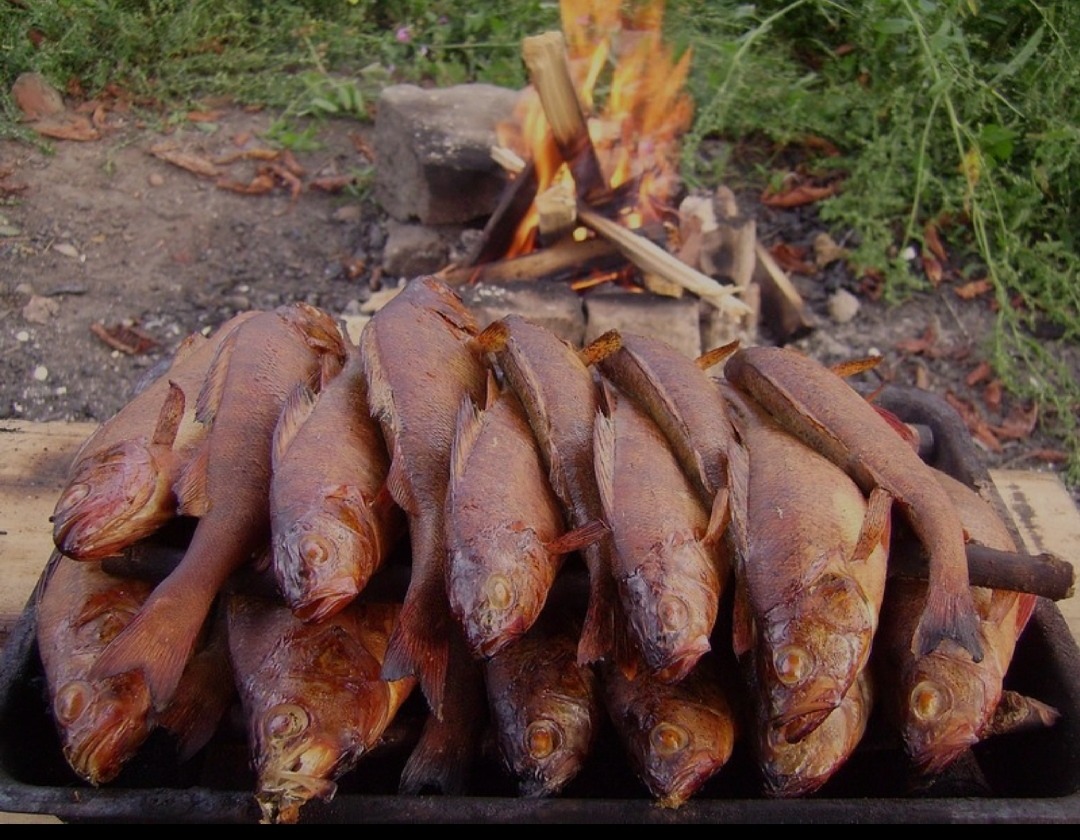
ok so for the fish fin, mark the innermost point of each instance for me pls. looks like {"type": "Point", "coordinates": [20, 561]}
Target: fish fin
{"type": "Point", "coordinates": [203, 696]}
{"type": "Point", "coordinates": [579, 537]}
{"type": "Point", "coordinates": [875, 530]}
{"type": "Point", "coordinates": [466, 431]}
{"type": "Point", "coordinates": [719, 518]}
{"type": "Point", "coordinates": [1016, 712]}
{"type": "Point", "coordinates": [1027, 609]}
{"type": "Point", "coordinates": [742, 621]}
{"type": "Point", "coordinates": [948, 615]}
{"type": "Point", "coordinates": [492, 391]}
{"type": "Point", "coordinates": [397, 481]}
{"type": "Point", "coordinates": [596, 641]}
{"type": "Point", "coordinates": [600, 348]}
{"type": "Point", "coordinates": [493, 337]}
{"type": "Point", "coordinates": [738, 486]}
{"type": "Point", "coordinates": [905, 430]}
{"type": "Point", "coordinates": [209, 398]}
{"type": "Point", "coordinates": [298, 407]}
{"type": "Point", "coordinates": [192, 498]}
{"type": "Point", "coordinates": [155, 642]}
{"type": "Point", "coordinates": [330, 365]}
{"type": "Point", "coordinates": [711, 358]}
{"type": "Point", "coordinates": [55, 559]}
{"type": "Point", "coordinates": [172, 413]}
{"type": "Point", "coordinates": [853, 367]}
{"type": "Point", "coordinates": [604, 457]}
{"type": "Point", "coordinates": [186, 347]}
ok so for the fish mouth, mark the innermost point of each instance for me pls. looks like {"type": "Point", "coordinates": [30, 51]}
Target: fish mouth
{"type": "Point", "coordinates": [322, 605]}
{"type": "Point", "coordinates": [676, 669]}
{"type": "Point", "coordinates": [687, 781]}
{"type": "Point", "coordinates": [107, 735]}
{"type": "Point", "coordinates": [280, 802]}
{"type": "Point", "coordinates": [802, 720]}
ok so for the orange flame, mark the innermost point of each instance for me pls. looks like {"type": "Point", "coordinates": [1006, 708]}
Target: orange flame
{"type": "Point", "coordinates": [619, 51]}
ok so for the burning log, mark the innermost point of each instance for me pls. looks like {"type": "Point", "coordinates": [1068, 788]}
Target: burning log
{"type": "Point", "coordinates": [549, 70]}
{"type": "Point", "coordinates": [652, 258]}
{"type": "Point", "coordinates": [567, 259]}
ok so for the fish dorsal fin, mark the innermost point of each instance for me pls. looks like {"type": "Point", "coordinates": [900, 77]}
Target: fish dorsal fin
{"type": "Point", "coordinates": [876, 525]}
{"type": "Point", "coordinates": [604, 452]}
{"type": "Point", "coordinates": [719, 517]}
{"type": "Point", "coordinates": [170, 417]}
{"type": "Point", "coordinates": [493, 337]}
{"type": "Point", "coordinates": [206, 404]}
{"type": "Point", "coordinates": [190, 489]}
{"type": "Point", "coordinates": [711, 358]}
{"type": "Point", "coordinates": [298, 408]}
{"type": "Point", "coordinates": [186, 347]}
{"type": "Point", "coordinates": [600, 348]}
{"type": "Point", "coordinates": [853, 367]}
{"type": "Point", "coordinates": [579, 537]}
{"type": "Point", "coordinates": [466, 430]}
{"type": "Point", "coordinates": [492, 391]}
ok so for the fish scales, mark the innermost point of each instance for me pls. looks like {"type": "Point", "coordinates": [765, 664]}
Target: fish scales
{"type": "Point", "coordinates": [502, 521]}
{"type": "Point", "coordinates": [257, 367]}
{"type": "Point", "coordinates": [811, 584]}
{"type": "Point", "coordinates": [559, 394]}
{"type": "Point", "coordinates": [668, 578]}
{"type": "Point", "coordinates": [420, 365]}
{"type": "Point", "coordinates": [817, 405]}
{"type": "Point", "coordinates": [333, 521]}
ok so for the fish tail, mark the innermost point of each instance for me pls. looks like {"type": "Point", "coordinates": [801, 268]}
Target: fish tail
{"type": "Point", "coordinates": [159, 642]}
{"type": "Point", "coordinates": [948, 615]}
{"type": "Point", "coordinates": [418, 647]}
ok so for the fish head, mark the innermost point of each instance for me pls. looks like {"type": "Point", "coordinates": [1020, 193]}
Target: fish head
{"type": "Point", "coordinates": [949, 701]}
{"type": "Point", "coordinates": [113, 498]}
{"type": "Point", "coordinates": [813, 646]}
{"type": "Point", "coordinates": [672, 600]}
{"type": "Point", "coordinates": [497, 586]}
{"type": "Point", "coordinates": [680, 747]}
{"type": "Point", "coordinates": [326, 556]}
{"type": "Point", "coordinates": [103, 723]}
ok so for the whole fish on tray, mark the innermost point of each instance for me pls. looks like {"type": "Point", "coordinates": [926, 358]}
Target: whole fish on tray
{"type": "Point", "coordinates": [121, 485]}
{"type": "Point", "coordinates": [103, 723]}
{"type": "Point", "coordinates": [312, 695]}
{"type": "Point", "coordinates": [227, 486]}
{"type": "Point", "coordinates": [668, 567]}
{"type": "Point", "coordinates": [559, 393]}
{"type": "Point", "coordinates": [332, 518]}
{"type": "Point", "coordinates": [809, 590]}
{"type": "Point", "coordinates": [506, 529]}
{"type": "Point", "coordinates": [942, 703]}
{"type": "Point", "coordinates": [420, 365]}
{"type": "Point", "coordinates": [815, 404]}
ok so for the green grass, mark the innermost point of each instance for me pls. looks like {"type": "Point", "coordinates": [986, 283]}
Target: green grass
{"type": "Point", "coordinates": [961, 113]}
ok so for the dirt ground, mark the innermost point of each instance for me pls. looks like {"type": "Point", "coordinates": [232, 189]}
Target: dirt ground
{"type": "Point", "coordinates": [101, 235]}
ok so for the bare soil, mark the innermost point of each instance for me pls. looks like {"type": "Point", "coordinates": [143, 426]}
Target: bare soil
{"type": "Point", "coordinates": [110, 255]}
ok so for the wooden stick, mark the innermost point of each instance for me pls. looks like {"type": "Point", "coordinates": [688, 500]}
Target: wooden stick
{"type": "Point", "coordinates": [549, 70]}
{"type": "Point", "coordinates": [564, 260]}
{"type": "Point", "coordinates": [652, 258]}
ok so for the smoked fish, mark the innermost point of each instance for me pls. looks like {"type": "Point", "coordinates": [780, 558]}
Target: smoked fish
{"type": "Point", "coordinates": [558, 390]}
{"type": "Point", "coordinates": [227, 486]}
{"type": "Point", "coordinates": [667, 566]}
{"type": "Point", "coordinates": [312, 696]}
{"type": "Point", "coordinates": [506, 529]}
{"type": "Point", "coordinates": [817, 405]}
{"type": "Point", "coordinates": [420, 365]}
{"type": "Point", "coordinates": [121, 485]}
{"type": "Point", "coordinates": [332, 519]}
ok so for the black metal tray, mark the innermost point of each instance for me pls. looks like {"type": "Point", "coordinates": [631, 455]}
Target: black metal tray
{"type": "Point", "coordinates": [1030, 777]}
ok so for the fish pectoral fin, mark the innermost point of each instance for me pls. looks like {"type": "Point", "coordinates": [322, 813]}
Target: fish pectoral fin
{"type": "Point", "coordinates": [711, 358]}
{"type": "Point", "coordinates": [719, 518]}
{"type": "Point", "coordinates": [298, 407]}
{"type": "Point", "coordinates": [172, 413]}
{"type": "Point", "coordinates": [876, 525]}
{"type": "Point", "coordinates": [578, 538]}
{"type": "Point", "coordinates": [600, 348]}
{"type": "Point", "coordinates": [192, 498]}
{"type": "Point", "coordinates": [209, 398]}
{"type": "Point", "coordinates": [1016, 712]}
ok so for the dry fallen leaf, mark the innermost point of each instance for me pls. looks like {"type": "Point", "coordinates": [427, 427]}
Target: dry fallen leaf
{"type": "Point", "coordinates": [39, 310]}
{"type": "Point", "coordinates": [127, 339]}
{"type": "Point", "coordinates": [992, 395]}
{"type": "Point", "coordinates": [924, 344]}
{"type": "Point", "coordinates": [798, 196]}
{"type": "Point", "coordinates": [185, 160]}
{"type": "Point", "coordinates": [933, 270]}
{"type": "Point", "coordinates": [67, 127]}
{"type": "Point", "coordinates": [331, 183]}
{"type": "Point", "coordinates": [980, 373]}
{"type": "Point", "coordinates": [792, 259]}
{"type": "Point", "coordinates": [933, 241]}
{"type": "Point", "coordinates": [973, 289]}
{"type": "Point", "coordinates": [979, 428]}
{"type": "Point", "coordinates": [1020, 422]}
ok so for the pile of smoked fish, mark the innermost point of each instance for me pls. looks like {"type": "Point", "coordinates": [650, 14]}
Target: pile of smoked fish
{"type": "Point", "coordinates": [532, 540]}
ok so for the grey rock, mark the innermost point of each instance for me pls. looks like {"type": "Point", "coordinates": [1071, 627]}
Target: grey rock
{"type": "Point", "coordinates": [675, 320]}
{"type": "Point", "coordinates": [553, 305]}
{"type": "Point", "coordinates": [412, 250]}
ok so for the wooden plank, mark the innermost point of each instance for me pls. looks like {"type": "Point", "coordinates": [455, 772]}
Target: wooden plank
{"type": "Point", "coordinates": [34, 462]}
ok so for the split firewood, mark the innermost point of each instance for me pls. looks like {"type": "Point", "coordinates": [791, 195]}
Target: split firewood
{"type": "Point", "coordinates": [783, 307]}
{"type": "Point", "coordinates": [556, 212]}
{"type": "Point", "coordinates": [549, 70]}
{"type": "Point", "coordinates": [566, 259]}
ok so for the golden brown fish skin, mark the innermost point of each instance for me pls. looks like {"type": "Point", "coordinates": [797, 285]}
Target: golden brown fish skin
{"type": "Point", "coordinates": [798, 769]}
{"type": "Point", "coordinates": [80, 609]}
{"type": "Point", "coordinates": [812, 589]}
{"type": "Point", "coordinates": [668, 577]}
{"type": "Point", "coordinates": [312, 695]}
{"type": "Point", "coordinates": [256, 369]}
{"type": "Point", "coordinates": [818, 406]}
{"type": "Point", "coordinates": [546, 707]}
{"type": "Point", "coordinates": [502, 519]}
{"type": "Point", "coordinates": [943, 703]}
{"type": "Point", "coordinates": [676, 736]}
{"type": "Point", "coordinates": [420, 365]}
{"type": "Point", "coordinates": [120, 487]}
{"type": "Point", "coordinates": [559, 394]}
{"type": "Point", "coordinates": [333, 522]}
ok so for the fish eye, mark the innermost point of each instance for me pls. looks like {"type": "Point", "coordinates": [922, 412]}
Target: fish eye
{"type": "Point", "coordinates": [314, 550]}
{"type": "Point", "coordinates": [286, 720]}
{"type": "Point", "coordinates": [75, 494]}
{"type": "Point", "coordinates": [499, 592]}
{"type": "Point", "coordinates": [673, 613]}
{"type": "Point", "coordinates": [668, 738]}
{"type": "Point", "coordinates": [930, 700]}
{"type": "Point", "coordinates": [543, 738]}
{"type": "Point", "coordinates": [792, 664]}
{"type": "Point", "coordinates": [72, 700]}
